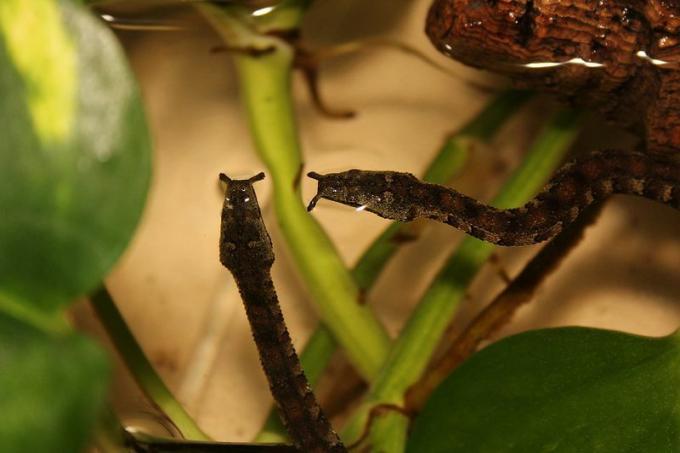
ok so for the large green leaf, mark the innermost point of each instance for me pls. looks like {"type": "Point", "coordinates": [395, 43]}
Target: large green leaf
{"type": "Point", "coordinates": [52, 389]}
{"type": "Point", "coordinates": [559, 390]}
{"type": "Point", "coordinates": [74, 153]}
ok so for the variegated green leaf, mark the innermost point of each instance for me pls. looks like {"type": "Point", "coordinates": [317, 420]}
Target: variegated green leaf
{"type": "Point", "coordinates": [74, 154]}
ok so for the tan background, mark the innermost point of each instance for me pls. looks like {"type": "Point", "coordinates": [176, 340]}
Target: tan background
{"type": "Point", "coordinates": [182, 305]}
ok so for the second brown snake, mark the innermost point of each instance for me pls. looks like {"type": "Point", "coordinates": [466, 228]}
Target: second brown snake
{"type": "Point", "coordinates": [578, 184]}
{"type": "Point", "coordinates": [246, 250]}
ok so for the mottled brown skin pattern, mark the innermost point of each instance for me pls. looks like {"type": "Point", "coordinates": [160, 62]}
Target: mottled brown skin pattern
{"type": "Point", "coordinates": [246, 250]}
{"type": "Point", "coordinates": [401, 196]}
{"type": "Point", "coordinates": [505, 35]}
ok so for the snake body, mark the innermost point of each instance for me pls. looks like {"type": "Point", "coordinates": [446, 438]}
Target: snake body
{"type": "Point", "coordinates": [578, 184]}
{"type": "Point", "coordinates": [246, 250]}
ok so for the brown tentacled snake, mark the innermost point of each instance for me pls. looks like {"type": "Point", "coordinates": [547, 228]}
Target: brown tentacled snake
{"type": "Point", "coordinates": [621, 57]}
{"type": "Point", "coordinates": [246, 250]}
{"type": "Point", "coordinates": [401, 196]}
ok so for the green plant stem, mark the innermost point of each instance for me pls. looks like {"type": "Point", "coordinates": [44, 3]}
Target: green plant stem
{"type": "Point", "coordinates": [448, 162]}
{"type": "Point", "coordinates": [265, 89]}
{"type": "Point", "coordinates": [53, 322]}
{"type": "Point", "coordinates": [148, 380]}
{"type": "Point", "coordinates": [265, 81]}
{"type": "Point", "coordinates": [414, 347]}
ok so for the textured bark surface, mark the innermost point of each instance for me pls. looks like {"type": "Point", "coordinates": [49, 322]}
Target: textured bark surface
{"type": "Point", "coordinates": [620, 57]}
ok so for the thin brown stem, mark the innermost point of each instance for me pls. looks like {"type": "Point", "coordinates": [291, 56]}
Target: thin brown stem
{"type": "Point", "coordinates": [372, 416]}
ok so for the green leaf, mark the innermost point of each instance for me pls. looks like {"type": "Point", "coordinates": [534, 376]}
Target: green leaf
{"type": "Point", "coordinates": [559, 390]}
{"type": "Point", "coordinates": [74, 154]}
{"type": "Point", "coordinates": [52, 389]}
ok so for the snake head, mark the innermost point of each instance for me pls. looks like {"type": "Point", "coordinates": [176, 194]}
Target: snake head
{"type": "Point", "coordinates": [244, 241]}
{"type": "Point", "coordinates": [355, 188]}
{"type": "Point", "coordinates": [385, 193]}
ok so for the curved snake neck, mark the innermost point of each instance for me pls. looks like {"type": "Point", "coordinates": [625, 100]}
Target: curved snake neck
{"type": "Point", "coordinates": [578, 184]}
{"type": "Point", "coordinates": [246, 250]}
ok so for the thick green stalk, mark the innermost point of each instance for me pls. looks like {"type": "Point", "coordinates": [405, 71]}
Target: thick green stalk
{"type": "Point", "coordinates": [143, 372]}
{"type": "Point", "coordinates": [418, 340]}
{"type": "Point", "coordinates": [264, 79]}
{"type": "Point", "coordinates": [265, 87]}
